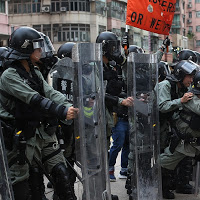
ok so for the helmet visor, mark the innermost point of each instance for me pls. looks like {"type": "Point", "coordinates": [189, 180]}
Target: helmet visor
{"type": "Point", "coordinates": [39, 44]}
{"type": "Point", "coordinates": [48, 45]}
{"type": "Point", "coordinates": [113, 46]}
{"type": "Point", "coordinates": [190, 67]}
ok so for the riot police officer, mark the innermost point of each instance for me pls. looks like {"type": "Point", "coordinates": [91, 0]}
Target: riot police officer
{"type": "Point", "coordinates": [116, 101]}
{"type": "Point", "coordinates": [142, 82]}
{"type": "Point", "coordinates": [186, 131]}
{"type": "Point", "coordinates": [3, 53]}
{"type": "Point", "coordinates": [31, 104]}
{"type": "Point", "coordinates": [198, 57]}
{"type": "Point", "coordinates": [184, 168]}
{"type": "Point", "coordinates": [163, 70]}
{"type": "Point", "coordinates": [186, 54]}
{"type": "Point", "coordinates": [172, 95]}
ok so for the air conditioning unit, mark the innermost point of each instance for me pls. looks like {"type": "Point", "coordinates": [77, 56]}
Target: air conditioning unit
{"type": "Point", "coordinates": [189, 5]}
{"type": "Point", "coordinates": [63, 9]}
{"type": "Point", "coordinates": [189, 21]}
{"type": "Point", "coordinates": [45, 9]}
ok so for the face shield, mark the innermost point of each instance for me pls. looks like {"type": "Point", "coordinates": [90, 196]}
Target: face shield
{"type": "Point", "coordinates": [48, 46]}
{"type": "Point", "coordinates": [113, 46]}
{"type": "Point", "coordinates": [39, 44]}
{"type": "Point", "coordinates": [190, 67]}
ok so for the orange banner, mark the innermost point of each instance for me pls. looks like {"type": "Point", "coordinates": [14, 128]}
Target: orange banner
{"type": "Point", "coordinates": [151, 15]}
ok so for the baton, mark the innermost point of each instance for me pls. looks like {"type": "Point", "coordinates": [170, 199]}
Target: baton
{"type": "Point", "coordinates": [126, 34]}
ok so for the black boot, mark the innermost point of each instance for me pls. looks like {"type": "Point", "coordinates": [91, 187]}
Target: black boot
{"type": "Point", "coordinates": [166, 176]}
{"type": "Point", "coordinates": [128, 185]}
{"type": "Point", "coordinates": [114, 197]}
{"type": "Point", "coordinates": [36, 183]}
{"type": "Point", "coordinates": [184, 174]}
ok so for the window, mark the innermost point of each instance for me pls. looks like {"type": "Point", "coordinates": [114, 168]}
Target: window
{"type": "Point", "coordinates": [2, 6]}
{"type": "Point", "coordinates": [198, 14]}
{"type": "Point", "coordinates": [198, 43]}
{"type": "Point", "coordinates": [137, 39]}
{"type": "Point", "coordinates": [190, 28]}
{"type": "Point", "coordinates": [190, 14]}
{"type": "Point", "coordinates": [197, 28]}
{"type": "Point", "coordinates": [197, 1]}
{"type": "Point", "coordinates": [145, 42]}
{"type": "Point", "coordinates": [102, 28]}
{"type": "Point", "coordinates": [21, 6]}
{"type": "Point", "coordinates": [176, 30]}
{"type": "Point", "coordinates": [117, 10]}
{"type": "Point", "coordinates": [70, 5]}
{"type": "Point", "coordinates": [47, 30]}
{"type": "Point", "coordinates": [71, 32]}
{"type": "Point", "coordinates": [37, 27]}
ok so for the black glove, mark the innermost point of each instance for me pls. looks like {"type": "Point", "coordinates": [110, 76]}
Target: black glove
{"type": "Point", "coordinates": [125, 41]}
{"type": "Point", "coordinates": [166, 43]}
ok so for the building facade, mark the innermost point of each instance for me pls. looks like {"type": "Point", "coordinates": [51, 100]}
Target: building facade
{"type": "Point", "coordinates": [78, 20]}
{"type": "Point", "coordinates": [193, 23]}
{"type": "Point", "coordinates": [5, 29]}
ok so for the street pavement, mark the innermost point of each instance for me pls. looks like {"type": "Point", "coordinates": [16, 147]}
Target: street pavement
{"type": "Point", "coordinates": [118, 188]}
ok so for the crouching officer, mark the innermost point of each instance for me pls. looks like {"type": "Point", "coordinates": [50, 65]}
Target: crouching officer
{"type": "Point", "coordinates": [27, 103]}
{"type": "Point", "coordinates": [187, 131]}
{"type": "Point", "coordinates": [172, 96]}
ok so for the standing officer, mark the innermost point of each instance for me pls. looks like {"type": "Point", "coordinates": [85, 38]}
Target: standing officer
{"type": "Point", "coordinates": [27, 102]}
{"type": "Point", "coordinates": [172, 95]}
{"type": "Point", "coordinates": [187, 131]}
{"type": "Point", "coordinates": [116, 101]}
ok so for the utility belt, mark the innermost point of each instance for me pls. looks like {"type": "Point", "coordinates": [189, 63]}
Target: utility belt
{"type": "Point", "coordinates": [193, 123]}
{"type": "Point", "coordinates": [193, 140]}
{"type": "Point", "coordinates": [10, 127]}
{"type": "Point", "coordinates": [123, 116]}
{"type": "Point", "coordinates": [177, 136]}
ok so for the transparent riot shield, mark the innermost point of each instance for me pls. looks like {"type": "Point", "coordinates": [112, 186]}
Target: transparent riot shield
{"type": "Point", "coordinates": [91, 150]}
{"type": "Point", "coordinates": [61, 77]}
{"type": "Point", "coordinates": [143, 167]}
{"type": "Point", "coordinates": [6, 192]}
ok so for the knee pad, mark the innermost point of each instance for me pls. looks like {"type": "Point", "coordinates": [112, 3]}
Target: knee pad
{"type": "Point", "coordinates": [61, 177]}
{"type": "Point", "coordinates": [21, 190]}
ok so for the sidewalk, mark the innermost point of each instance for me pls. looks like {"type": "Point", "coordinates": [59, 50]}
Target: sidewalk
{"type": "Point", "coordinates": [118, 188]}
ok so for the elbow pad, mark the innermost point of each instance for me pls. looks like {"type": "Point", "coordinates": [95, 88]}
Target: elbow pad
{"type": "Point", "coordinates": [113, 100]}
{"type": "Point", "coordinates": [49, 107]}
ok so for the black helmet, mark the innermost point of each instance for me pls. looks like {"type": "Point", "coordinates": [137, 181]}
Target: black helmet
{"type": "Point", "coordinates": [65, 50]}
{"type": "Point", "coordinates": [183, 68]}
{"type": "Point", "coordinates": [196, 84]}
{"type": "Point", "coordinates": [135, 49]}
{"type": "Point", "coordinates": [110, 46]}
{"type": "Point", "coordinates": [163, 70]}
{"type": "Point", "coordinates": [23, 42]}
{"type": "Point", "coordinates": [3, 53]}
{"type": "Point", "coordinates": [187, 54]}
{"type": "Point", "coordinates": [198, 57]}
